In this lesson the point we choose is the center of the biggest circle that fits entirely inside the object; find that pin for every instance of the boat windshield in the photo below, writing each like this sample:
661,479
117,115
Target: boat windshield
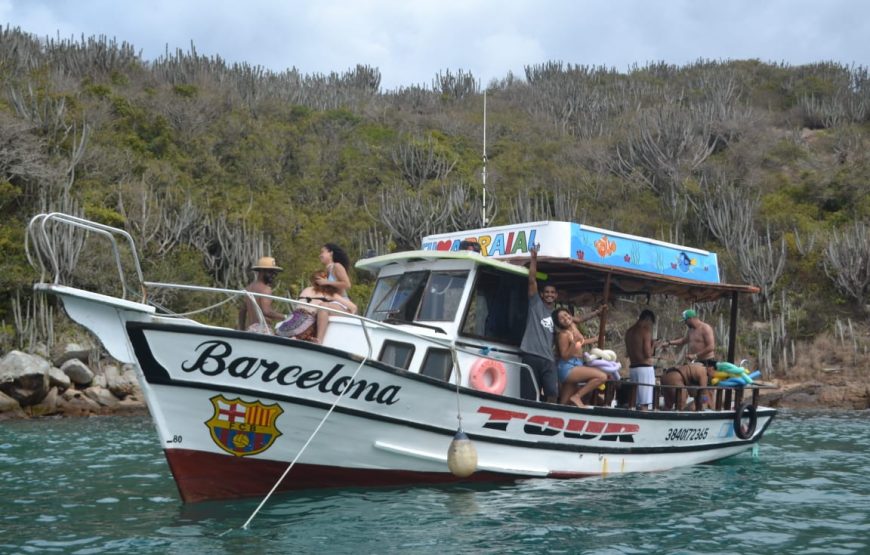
424,296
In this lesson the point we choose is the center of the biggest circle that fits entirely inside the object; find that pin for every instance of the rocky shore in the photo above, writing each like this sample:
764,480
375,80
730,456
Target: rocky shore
72,383
69,384
826,393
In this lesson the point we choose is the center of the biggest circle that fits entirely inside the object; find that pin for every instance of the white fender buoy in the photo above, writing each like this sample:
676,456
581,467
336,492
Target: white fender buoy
461,456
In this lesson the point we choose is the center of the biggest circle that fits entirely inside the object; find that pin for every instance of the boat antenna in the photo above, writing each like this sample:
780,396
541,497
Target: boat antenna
483,173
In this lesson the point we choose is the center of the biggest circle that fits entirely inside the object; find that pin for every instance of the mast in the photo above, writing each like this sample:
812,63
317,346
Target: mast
483,173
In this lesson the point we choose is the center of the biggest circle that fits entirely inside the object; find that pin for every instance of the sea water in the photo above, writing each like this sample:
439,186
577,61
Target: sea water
101,485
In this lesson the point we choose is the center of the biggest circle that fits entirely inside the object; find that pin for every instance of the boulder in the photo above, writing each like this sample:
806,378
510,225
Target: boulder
73,351
859,396
56,378
45,407
24,377
78,372
75,403
121,381
848,396
102,396
131,405
806,395
9,407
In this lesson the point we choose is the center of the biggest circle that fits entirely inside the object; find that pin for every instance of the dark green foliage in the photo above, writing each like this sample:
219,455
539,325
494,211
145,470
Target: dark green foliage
298,160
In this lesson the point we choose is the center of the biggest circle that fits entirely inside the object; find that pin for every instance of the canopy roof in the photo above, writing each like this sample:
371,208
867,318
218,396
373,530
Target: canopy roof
577,278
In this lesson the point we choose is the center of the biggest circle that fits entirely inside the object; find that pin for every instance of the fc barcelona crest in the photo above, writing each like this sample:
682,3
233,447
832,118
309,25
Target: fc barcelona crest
241,428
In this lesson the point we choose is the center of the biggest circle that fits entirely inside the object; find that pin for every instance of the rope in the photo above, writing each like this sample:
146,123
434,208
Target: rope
458,381
305,446
191,312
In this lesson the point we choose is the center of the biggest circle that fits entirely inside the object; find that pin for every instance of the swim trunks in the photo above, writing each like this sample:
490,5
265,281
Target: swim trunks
643,374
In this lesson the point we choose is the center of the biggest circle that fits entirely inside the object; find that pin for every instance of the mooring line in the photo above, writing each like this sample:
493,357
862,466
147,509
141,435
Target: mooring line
305,446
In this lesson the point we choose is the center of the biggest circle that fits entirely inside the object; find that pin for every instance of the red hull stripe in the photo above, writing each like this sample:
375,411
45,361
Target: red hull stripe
204,476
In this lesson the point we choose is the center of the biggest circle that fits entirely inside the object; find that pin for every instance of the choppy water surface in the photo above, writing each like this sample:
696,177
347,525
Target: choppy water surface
101,485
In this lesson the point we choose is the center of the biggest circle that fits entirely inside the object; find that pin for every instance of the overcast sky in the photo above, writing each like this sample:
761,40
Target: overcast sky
411,40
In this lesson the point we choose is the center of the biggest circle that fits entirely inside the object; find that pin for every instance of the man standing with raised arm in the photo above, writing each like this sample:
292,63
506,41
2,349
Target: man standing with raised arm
537,344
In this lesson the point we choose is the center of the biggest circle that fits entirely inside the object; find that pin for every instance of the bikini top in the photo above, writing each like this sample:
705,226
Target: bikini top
331,277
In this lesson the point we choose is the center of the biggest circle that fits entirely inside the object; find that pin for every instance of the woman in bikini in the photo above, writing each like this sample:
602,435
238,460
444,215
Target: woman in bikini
327,293
336,262
569,349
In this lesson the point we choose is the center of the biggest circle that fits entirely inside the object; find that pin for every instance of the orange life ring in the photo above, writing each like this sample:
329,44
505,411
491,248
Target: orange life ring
488,375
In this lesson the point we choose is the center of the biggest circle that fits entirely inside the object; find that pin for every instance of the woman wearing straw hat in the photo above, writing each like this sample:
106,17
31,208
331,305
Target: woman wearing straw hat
249,316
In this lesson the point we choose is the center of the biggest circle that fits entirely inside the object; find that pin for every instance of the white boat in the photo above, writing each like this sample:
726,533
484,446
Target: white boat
379,402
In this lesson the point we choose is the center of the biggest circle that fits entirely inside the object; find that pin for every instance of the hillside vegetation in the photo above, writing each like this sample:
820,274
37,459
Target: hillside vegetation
209,164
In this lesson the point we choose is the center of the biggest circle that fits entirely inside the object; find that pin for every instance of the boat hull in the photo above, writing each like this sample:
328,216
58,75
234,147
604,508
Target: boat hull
205,476
234,409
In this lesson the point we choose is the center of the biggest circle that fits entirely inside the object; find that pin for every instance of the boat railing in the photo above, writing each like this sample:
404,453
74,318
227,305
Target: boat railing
44,250
624,393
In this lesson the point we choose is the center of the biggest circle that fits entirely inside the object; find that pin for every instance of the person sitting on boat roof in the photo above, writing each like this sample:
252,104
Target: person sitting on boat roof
469,245
249,314
537,343
640,346
336,262
701,364
572,371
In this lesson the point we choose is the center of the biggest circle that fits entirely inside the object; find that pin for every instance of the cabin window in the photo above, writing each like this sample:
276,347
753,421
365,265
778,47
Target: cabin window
441,298
497,308
394,296
422,296
397,354
437,364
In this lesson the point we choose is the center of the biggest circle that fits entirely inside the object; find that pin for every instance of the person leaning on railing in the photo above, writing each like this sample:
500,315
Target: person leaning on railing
701,343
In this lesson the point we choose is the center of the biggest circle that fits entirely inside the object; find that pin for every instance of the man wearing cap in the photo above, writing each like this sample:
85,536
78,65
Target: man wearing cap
702,345
249,315
700,338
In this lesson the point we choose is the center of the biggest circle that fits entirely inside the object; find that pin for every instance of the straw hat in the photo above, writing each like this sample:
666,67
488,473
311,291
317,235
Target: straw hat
266,263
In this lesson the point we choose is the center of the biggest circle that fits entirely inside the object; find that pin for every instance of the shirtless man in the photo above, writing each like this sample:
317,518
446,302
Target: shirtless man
640,347
249,316
702,344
